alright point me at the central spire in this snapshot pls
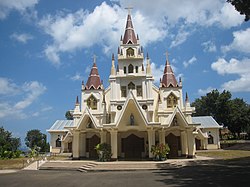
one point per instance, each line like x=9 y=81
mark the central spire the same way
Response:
x=129 y=35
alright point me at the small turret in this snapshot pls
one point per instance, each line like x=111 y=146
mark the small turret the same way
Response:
x=187 y=103
x=148 y=68
x=112 y=71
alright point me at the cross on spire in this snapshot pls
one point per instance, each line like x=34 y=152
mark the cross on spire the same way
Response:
x=129 y=9
x=167 y=55
x=94 y=58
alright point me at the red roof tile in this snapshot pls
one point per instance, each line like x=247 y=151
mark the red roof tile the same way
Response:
x=168 y=79
x=94 y=81
x=129 y=35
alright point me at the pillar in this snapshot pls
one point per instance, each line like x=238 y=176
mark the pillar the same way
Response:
x=82 y=145
x=103 y=135
x=75 y=145
x=191 y=143
x=184 y=146
x=113 y=134
x=162 y=137
x=151 y=141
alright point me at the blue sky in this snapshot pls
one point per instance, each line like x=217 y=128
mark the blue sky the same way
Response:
x=47 y=49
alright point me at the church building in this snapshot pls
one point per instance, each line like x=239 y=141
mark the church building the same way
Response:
x=132 y=114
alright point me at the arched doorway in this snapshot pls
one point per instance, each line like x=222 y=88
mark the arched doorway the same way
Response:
x=174 y=143
x=90 y=146
x=198 y=144
x=132 y=147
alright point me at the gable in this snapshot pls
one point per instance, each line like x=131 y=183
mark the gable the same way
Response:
x=131 y=117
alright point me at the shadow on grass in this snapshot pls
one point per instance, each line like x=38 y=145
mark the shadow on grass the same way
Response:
x=233 y=172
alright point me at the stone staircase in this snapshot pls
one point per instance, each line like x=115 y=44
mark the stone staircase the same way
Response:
x=87 y=167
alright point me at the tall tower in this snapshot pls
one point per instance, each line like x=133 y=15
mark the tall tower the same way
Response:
x=130 y=75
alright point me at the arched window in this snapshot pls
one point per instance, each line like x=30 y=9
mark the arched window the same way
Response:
x=58 y=141
x=210 y=139
x=92 y=102
x=136 y=69
x=130 y=68
x=171 y=101
x=124 y=69
x=131 y=86
x=130 y=52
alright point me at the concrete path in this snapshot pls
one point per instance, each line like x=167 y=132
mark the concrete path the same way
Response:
x=94 y=166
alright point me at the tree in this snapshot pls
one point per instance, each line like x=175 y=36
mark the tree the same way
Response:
x=36 y=139
x=239 y=116
x=233 y=113
x=68 y=115
x=242 y=6
x=214 y=104
x=8 y=145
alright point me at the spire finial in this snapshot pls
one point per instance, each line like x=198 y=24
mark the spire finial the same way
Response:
x=94 y=57
x=147 y=56
x=129 y=9
x=167 y=55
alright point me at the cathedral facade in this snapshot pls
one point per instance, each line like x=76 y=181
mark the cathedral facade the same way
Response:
x=132 y=114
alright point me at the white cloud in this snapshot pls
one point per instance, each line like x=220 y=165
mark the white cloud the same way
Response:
x=234 y=66
x=205 y=91
x=153 y=22
x=102 y=27
x=23 y=38
x=240 y=42
x=76 y=77
x=6 y=6
x=180 y=38
x=157 y=71
x=33 y=89
x=209 y=46
x=29 y=91
x=189 y=62
x=205 y=13
x=7 y=87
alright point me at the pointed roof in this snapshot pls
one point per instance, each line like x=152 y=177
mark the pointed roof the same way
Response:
x=94 y=81
x=77 y=101
x=129 y=35
x=168 y=79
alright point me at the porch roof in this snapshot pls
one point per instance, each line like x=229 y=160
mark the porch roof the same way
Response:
x=206 y=121
x=60 y=125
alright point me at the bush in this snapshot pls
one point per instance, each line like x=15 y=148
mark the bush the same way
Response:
x=103 y=151
x=160 y=151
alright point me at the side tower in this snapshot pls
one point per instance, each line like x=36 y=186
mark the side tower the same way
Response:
x=129 y=75
x=93 y=94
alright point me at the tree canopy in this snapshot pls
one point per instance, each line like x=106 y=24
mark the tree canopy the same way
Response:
x=8 y=144
x=233 y=113
x=68 y=115
x=36 y=139
x=242 y=6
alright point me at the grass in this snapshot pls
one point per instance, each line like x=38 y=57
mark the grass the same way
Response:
x=20 y=163
x=225 y=154
x=16 y=163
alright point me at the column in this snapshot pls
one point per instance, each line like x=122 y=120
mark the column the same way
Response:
x=191 y=143
x=82 y=145
x=162 y=137
x=184 y=150
x=113 y=134
x=151 y=141
x=76 y=144
x=103 y=135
